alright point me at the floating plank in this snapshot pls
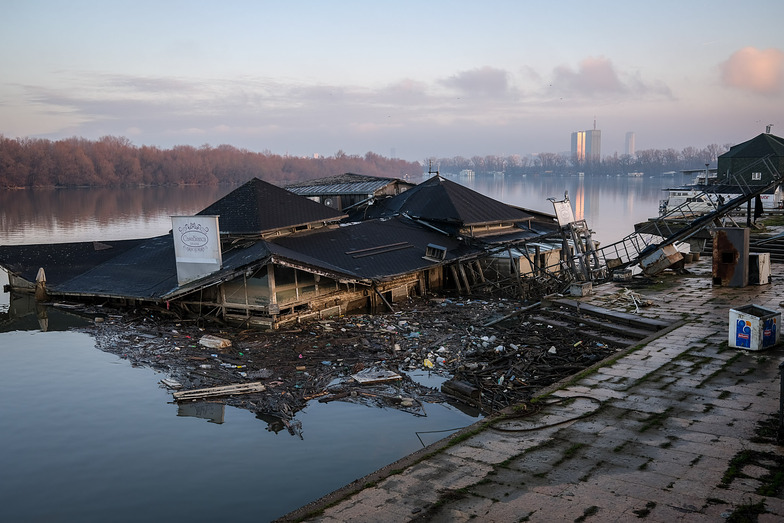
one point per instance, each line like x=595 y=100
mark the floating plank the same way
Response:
x=225 y=390
x=171 y=383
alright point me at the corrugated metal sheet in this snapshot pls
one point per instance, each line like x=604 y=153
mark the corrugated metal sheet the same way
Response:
x=367 y=188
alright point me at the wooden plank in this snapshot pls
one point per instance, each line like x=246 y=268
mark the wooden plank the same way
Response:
x=225 y=390
x=456 y=278
x=479 y=271
x=465 y=278
x=612 y=315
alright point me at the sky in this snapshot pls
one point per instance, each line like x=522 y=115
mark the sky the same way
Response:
x=405 y=79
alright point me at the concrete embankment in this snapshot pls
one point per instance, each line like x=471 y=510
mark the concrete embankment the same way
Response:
x=679 y=428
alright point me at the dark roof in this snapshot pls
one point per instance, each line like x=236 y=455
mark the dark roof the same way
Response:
x=374 y=249
x=143 y=269
x=442 y=200
x=149 y=271
x=61 y=261
x=258 y=207
x=758 y=147
x=146 y=271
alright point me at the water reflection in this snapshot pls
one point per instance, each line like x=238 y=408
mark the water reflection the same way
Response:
x=66 y=215
x=611 y=205
x=23 y=312
x=212 y=411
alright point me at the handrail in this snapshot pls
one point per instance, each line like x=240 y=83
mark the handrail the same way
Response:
x=637 y=244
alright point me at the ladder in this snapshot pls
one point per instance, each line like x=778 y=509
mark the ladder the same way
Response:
x=582 y=256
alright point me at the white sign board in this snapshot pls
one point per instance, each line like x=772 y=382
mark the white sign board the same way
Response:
x=196 y=246
x=564 y=213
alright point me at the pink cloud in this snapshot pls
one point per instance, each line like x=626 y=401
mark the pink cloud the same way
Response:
x=755 y=70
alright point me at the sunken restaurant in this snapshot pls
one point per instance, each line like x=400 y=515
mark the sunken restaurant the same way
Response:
x=266 y=256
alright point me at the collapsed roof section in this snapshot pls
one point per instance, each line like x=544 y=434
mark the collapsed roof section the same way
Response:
x=364 y=252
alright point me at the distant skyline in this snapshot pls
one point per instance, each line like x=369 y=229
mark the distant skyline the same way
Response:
x=409 y=79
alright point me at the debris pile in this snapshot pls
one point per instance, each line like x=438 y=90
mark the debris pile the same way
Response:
x=491 y=363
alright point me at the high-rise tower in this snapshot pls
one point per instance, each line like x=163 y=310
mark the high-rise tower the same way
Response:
x=587 y=145
x=629 y=145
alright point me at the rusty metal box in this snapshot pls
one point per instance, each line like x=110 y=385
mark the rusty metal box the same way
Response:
x=731 y=256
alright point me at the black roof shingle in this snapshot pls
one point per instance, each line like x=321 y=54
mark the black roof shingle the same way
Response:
x=441 y=200
x=258 y=207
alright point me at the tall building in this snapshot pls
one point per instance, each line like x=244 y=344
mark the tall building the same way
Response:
x=629 y=146
x=587 y=145
x=578 y=146
x=593 y=145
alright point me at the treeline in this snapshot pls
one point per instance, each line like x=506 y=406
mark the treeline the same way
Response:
x=649 y=161
x=115 y=162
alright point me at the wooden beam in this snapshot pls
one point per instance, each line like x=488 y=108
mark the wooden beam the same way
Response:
x=479 y=271
x=465 y=277
x=392 y=309
x=226 y=390
x=516 y=269
x=456 y=278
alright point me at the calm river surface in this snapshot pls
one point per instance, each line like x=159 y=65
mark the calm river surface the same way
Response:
x=85 y=436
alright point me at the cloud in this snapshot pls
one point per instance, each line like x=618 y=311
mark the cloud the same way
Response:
x=593 y=76
x=598 y=77
x=484 y=81
x=754 y=70
x=263 y=113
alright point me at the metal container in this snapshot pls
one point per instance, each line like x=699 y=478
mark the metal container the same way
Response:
x=731 y=256
x=753 y=327
x=759 y=268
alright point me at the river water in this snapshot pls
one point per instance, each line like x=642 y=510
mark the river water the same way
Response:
x=84 y=436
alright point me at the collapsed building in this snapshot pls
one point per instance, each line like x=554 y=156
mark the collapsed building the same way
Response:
x=265 y=256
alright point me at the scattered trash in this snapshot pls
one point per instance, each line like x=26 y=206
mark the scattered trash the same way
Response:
x=214 y=342
x=449 y=340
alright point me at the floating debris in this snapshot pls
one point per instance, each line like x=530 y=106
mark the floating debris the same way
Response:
x=373 y=375
x=225 y=390
x=214 y=342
